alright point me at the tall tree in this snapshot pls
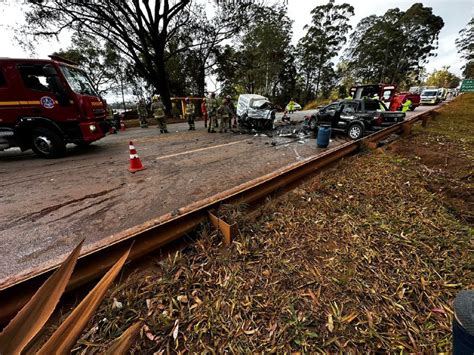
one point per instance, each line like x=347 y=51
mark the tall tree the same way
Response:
x=324 y=38
x=443 y=78
x=389 y=48
x=465 y=45
x=139 y=29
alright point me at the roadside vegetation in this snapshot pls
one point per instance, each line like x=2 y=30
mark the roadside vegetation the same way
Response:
x=366 y=256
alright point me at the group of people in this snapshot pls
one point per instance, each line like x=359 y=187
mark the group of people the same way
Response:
x=215 y=114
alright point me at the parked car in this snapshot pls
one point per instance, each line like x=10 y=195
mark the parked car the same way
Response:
x=255 y=112
x=430 y=96
x=355 y=117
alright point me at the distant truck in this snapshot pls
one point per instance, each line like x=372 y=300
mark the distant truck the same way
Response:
x=255 y=112
x=45 y=104
x=355 y=117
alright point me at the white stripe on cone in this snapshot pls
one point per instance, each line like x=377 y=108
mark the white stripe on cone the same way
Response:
x=133 y=156
x=131 y=147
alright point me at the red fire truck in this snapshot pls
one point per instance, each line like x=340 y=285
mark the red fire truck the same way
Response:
x=45 y=104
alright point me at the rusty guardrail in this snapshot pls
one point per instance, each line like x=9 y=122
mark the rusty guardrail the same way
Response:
x=154 y=234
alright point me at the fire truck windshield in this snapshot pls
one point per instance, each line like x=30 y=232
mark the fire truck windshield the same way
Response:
x=78 y=81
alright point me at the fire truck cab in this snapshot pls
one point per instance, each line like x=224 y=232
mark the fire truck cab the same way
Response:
x=45 y=104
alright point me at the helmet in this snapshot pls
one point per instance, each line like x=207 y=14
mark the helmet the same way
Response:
x=228 y=97
x=155 y=97
x=213 y=94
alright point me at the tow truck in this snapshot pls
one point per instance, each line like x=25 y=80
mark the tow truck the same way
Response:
x=47 y=103
x=386 y=93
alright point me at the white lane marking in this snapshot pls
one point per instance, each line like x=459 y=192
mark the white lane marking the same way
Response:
x=201 y=149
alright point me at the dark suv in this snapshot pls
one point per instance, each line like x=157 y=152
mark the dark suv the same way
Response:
x=355 y=117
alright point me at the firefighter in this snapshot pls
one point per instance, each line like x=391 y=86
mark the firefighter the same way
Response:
x=211 y=107
x=190 y=114
x=142 y=113
x=204 y=112
x=291 y=106
x=158 y=110
x=406 y=105
x=232 y=108
x=225 y=113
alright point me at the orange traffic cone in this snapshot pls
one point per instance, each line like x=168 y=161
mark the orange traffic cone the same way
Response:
x=122 y=125
x=135 y=162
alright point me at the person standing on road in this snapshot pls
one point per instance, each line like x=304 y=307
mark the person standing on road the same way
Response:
x=204 y=112
x=190 y=114
x=225 y=114
x=232 y=108
x=406 y=105
x=158 y=110
x=211 y=107
x=291 y=106
x=142 y=113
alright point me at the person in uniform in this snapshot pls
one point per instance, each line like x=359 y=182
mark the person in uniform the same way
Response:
x=190 y=114
x=142 y=113
x=158 y=110
x=406 y=105
x=291 y=106
x=204 y=112
x=211 y=107
x=225 y=113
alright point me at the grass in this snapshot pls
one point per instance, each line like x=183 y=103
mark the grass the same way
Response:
x=366 y=256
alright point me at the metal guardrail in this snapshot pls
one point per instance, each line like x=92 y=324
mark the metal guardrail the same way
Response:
x=154 y=234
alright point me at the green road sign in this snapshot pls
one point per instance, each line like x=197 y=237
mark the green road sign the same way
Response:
x=467 y=85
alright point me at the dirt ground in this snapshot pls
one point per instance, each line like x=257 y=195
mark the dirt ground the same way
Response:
x=366 y=256
x=48 y=206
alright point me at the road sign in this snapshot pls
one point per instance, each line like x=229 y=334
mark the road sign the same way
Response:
x=467 y=85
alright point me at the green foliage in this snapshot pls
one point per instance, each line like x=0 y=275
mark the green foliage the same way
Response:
x=324 y=38
x=393 y=47
x=465 y=45
x=443 y=78
x=263 y=60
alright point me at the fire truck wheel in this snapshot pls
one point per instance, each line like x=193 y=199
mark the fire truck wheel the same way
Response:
x=47 y=143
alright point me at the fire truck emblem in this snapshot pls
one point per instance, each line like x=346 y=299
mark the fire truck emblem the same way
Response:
x=47 y=102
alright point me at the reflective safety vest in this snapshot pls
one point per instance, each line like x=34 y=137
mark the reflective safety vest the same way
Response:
x=158 y=109
x=190 y=109
x=406 y=105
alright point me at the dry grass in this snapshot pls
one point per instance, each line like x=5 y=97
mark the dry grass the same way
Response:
x=364 y=257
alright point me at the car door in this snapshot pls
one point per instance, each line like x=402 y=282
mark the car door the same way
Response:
x=328 y=113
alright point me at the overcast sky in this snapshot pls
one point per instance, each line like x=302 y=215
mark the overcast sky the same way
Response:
x=455 y=13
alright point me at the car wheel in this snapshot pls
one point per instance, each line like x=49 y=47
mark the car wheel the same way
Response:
x=313 y=124
x=412 y=108
x=355 y=131
x=47 y=143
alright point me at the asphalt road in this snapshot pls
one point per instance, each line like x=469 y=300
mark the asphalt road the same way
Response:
x=48 y=206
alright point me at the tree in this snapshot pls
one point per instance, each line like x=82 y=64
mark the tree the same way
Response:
x=465 y=45
x=443 y=78
x=324 y=38
x=391 y=47
x=139 y=30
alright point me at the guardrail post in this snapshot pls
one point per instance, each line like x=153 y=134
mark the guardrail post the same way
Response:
x=424 y=121
x=406 y=127
x=228 y=231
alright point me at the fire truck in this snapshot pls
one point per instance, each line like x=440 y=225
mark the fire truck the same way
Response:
x=45 y=104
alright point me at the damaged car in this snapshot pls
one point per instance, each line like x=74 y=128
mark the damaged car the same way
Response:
x=255 y=112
